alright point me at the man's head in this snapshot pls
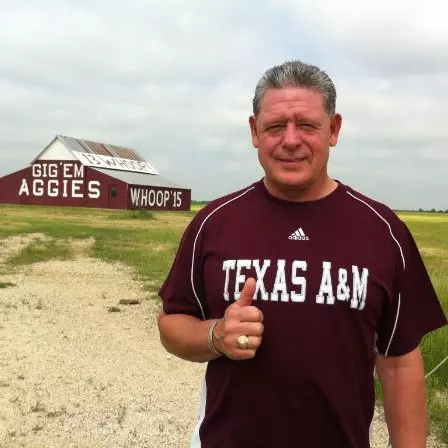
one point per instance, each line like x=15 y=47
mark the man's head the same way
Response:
x=296 y=74
x=293 y=126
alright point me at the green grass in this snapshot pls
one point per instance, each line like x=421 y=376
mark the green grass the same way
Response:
x=438 y=415
x=430 y=231
x=148 y=242
x=135 y=214
x=42 y=251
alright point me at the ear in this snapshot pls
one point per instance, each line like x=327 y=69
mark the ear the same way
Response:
x=335 y=127
x=253 y=130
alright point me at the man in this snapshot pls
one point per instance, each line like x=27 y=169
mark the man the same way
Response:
x=294 y=288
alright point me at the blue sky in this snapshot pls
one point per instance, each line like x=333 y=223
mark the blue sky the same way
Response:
x=175 y=80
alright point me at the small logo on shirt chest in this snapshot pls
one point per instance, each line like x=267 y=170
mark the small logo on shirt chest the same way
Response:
x=299 y=234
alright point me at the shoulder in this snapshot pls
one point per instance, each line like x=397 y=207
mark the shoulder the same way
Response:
x=214 y=215
x=227 y=203
x=378 y=218
x=372 y=209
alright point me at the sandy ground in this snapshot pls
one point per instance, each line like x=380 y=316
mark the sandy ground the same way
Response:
x=75 y=374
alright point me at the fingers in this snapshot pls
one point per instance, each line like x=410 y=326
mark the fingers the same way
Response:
x=253 y=343
x=247 y=328
x=232 y=348
x=248 y=352
x=235 y=352
x=248 y=292
x=244 y=314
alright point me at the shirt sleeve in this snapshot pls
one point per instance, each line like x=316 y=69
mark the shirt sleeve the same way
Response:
x=415 y=309
x=183 y=290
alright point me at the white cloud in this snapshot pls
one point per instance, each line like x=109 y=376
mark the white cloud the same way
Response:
x=175 y=80
x=389 y=37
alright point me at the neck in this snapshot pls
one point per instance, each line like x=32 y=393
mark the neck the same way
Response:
x=302 y=193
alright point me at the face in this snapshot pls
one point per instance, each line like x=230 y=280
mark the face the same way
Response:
x=293 y=133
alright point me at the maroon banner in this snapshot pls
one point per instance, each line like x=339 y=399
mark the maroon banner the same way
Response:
x=159 y=198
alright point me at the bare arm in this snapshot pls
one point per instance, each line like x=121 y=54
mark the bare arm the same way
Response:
x=403 y=385
x=186 y=337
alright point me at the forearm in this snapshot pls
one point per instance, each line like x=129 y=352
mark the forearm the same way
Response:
x=404 y=401
x=186 y=337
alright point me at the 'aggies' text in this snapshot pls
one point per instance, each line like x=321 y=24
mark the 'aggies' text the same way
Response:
x=356 y=291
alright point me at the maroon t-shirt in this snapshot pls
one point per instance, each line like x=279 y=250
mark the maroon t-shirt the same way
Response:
x=337 y=279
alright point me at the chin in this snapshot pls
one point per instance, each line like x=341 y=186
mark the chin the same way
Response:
x=291 y=182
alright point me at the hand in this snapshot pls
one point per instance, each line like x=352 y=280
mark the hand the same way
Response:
x=240 y=318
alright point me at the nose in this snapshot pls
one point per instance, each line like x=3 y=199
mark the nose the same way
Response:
x=291 y=137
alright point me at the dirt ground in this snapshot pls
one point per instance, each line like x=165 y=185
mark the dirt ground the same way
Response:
x=78 y=369
x=75 y=374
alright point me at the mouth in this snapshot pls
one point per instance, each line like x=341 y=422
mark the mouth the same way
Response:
x=291 y=160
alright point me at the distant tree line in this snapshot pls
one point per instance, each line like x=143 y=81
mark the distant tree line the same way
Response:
x=433 y=210
x=200 y=202
x=421 y=210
